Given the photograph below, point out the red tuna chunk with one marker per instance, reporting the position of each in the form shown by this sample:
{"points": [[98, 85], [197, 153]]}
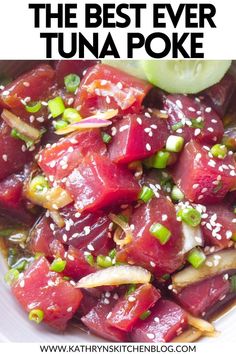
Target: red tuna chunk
{"points": [[145, 249], [76, 263], [34, 84], [104, 87], [40, 288], [199, 122], [95, 320], [219, 95], [200, 297], [66, 67], [165, 322], [130, 307], [12, 204], [59, 160], [219, 225], [13, 153], [79, 231], [137, 136], [201, 177], [97, 183]]}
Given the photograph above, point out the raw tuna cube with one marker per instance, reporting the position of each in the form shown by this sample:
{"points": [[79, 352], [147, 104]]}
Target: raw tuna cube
{"points": [[194, 119], [219, 225], [34, 85], [40, 237], [59, 160], [145, 249], [97, 183], [198, 298], [12, 204], [76, 263], [201, 177], [66, 67], [130, 307], [219, 95], [13, 153], [95, 320], [40, 288], [104, 87], [166, 321], [79, 231], [137, 136]]}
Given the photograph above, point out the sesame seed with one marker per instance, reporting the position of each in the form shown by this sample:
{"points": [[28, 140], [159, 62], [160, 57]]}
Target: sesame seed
{"points": [[197, 132], [152, 264], [119, 85], [122, 129], [139, 121], [90, 247], [150, 335], [195, 186], [208, 109], [179, 131], [113, 131], [69, 309], [108, 100], [148, 147], [64, 237], [228, 234], [179, 104], [70, 257], [4, 157], [106, 301], [87, 230]]}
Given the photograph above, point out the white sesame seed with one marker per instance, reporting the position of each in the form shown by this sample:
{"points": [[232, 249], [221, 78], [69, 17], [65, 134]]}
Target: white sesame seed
{"points": [[90, 247], [148, 147], [139, 121], [150, 335], [69, 309], [208, 109], [197, 132], [4, 157]]}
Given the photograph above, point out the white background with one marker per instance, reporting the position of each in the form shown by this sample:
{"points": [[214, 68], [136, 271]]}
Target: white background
{"points": [[20, 40]]}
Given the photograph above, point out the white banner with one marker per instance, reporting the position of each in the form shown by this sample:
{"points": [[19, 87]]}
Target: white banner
{"points": [[138, 29], [123, 348]]}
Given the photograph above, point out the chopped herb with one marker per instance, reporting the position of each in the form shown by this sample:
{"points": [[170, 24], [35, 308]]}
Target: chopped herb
{"points": [[16, 135], [145, 315]]}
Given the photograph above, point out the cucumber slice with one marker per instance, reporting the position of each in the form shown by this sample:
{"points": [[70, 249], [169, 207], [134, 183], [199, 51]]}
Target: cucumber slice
{"points": [[184, 76], [132, 67]]}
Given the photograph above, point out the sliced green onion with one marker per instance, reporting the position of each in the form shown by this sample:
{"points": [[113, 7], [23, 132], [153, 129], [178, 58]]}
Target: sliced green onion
{"points": [[36, 315], [146, 194], [60, 124], [190, 216], [131, 289], [112, 253], [174, 143], [66, 278], [196, 124], [123, 218], [196, 257], [233, 238], [160, 159], [38, 184], [219, 151], [177, 126], [20, 265], [7, 232], [33, 107], [90, 259], [71, 115], [72, 82], [58, 265], [166, 276], [233, 283], [106, 138], [160, 232], [16, 135], [145, 315], [11, 276], [56, 106], [177, 194], [104, 261]]}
